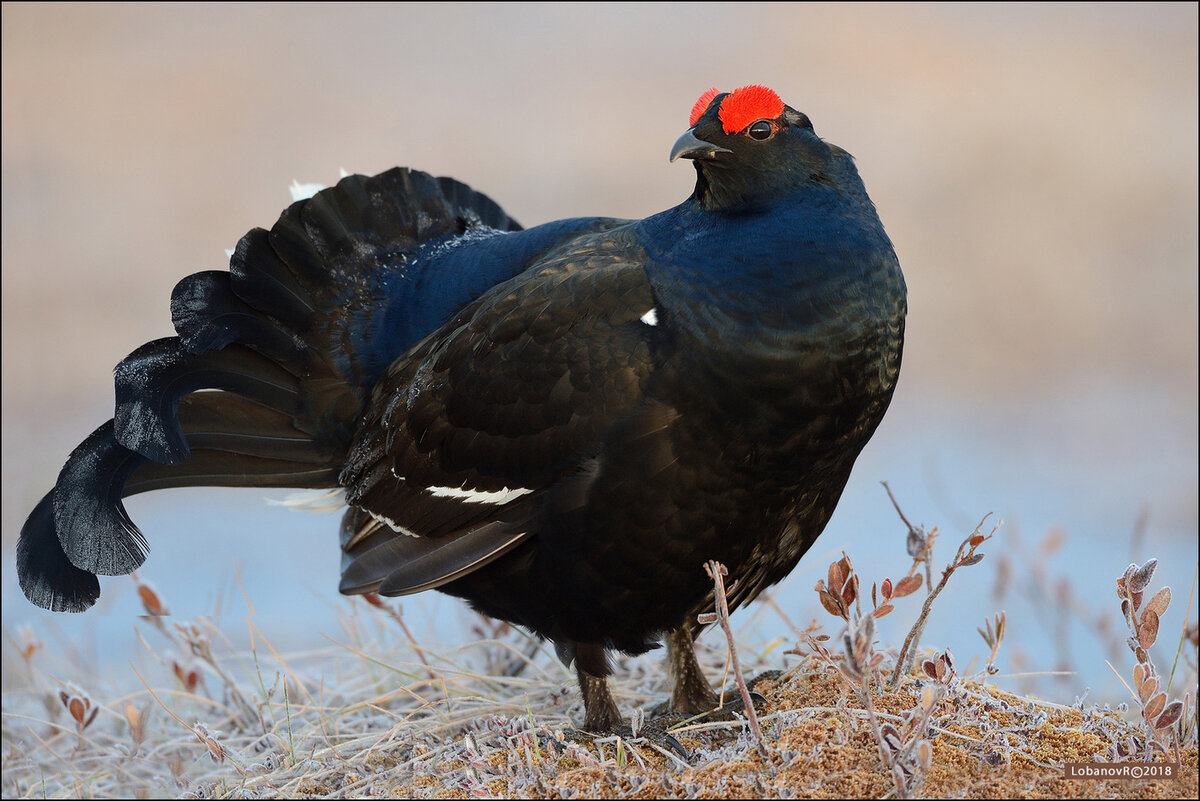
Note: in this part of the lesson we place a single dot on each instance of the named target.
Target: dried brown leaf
(1141, 577)
(151, 601)
(1155, 706)
(1159, 603)
(77, 708)
(850, 591)
(972, 560)
(890, 736)
(886, 589)
(1139, 674)
(908, 585)
(832, 604)
(137, 723)
(1171, 714)
(883, 610)
(1147, 688)
(924, 754)
(930, 668)
(837, 576)
(188, 677)
(976, 541)
(1148, 630)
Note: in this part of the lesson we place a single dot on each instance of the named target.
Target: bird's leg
(602, 716)
(601, 713)
(690, 694)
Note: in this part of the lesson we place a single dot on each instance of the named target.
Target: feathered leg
(601, 713)
(690, 693)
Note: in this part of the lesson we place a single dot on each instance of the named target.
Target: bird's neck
(767, 282)
(787, 305)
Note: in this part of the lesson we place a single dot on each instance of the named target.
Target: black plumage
(560, 424)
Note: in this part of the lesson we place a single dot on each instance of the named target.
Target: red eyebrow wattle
(744, 106)
(702, 105)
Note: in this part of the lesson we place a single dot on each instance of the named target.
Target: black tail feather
(224, 469)
(297, 243)
(290, 338)
(46, 575)
(152, 380)
(81, 528)
(208, 315)
(220, 421)
(93, 527)
(262, 279)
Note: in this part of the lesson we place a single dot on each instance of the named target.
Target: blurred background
(1036, 167)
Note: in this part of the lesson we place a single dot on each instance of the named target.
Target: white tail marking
(313, 500)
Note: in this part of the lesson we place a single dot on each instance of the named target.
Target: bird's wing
(465, 433)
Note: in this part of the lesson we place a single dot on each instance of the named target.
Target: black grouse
(560, 424)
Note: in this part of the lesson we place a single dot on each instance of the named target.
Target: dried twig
(903, 750)
(716, 572)
(993, 636)
(919, 542)
(962, 558)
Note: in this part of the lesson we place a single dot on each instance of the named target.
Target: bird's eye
(761, 130)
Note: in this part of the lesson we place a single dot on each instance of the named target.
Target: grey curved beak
(689, 147)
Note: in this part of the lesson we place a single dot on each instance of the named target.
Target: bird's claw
(650, 731)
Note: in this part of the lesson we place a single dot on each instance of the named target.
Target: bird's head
(751, 149)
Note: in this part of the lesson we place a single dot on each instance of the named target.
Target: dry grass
(375, 715)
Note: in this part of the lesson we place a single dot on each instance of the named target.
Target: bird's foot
(709, 708)
(667, 717)
(651, 730)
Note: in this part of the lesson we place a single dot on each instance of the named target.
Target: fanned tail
(264, 382)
